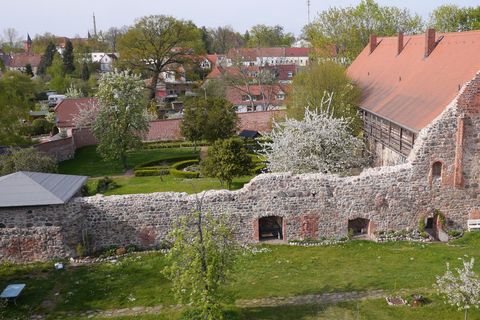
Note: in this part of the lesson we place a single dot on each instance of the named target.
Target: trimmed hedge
(176, 170)
(151, 172)
(152, 164)
(173, 144)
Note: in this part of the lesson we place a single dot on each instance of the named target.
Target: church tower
(27, 45)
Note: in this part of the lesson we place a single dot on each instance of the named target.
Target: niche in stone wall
(437, 170)
(270, 228)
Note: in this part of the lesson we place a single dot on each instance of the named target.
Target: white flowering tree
(461, 288)
(73, 92)
(120, 123)
(318, 143)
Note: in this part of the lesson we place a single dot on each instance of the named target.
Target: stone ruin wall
(311, 205)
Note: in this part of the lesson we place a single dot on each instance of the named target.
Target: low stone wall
(162, 130)
(63, 149)
(308, 206)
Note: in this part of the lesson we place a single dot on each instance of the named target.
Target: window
(245, 98)
(437, 170)
(280, 96)
(290, 74)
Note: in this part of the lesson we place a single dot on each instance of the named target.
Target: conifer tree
(47, 58)
(85, 75)
(28, 70)
(68, 58)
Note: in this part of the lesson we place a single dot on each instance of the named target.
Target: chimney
(373, 42)
(400, 42)
(429, 41)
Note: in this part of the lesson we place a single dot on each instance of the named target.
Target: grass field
(283, 271)
(88, 162)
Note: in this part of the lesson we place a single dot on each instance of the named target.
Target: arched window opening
(437, 170)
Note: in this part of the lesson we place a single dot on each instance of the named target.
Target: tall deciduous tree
(309, 89)
(156, 42)
(318, 143)
(344, 32)
(200, 262)
(269, 36)
(210, 119)
(68, 58)
(224, 39)
(27, 159)
(17, 92)
(227, 159)
(452, 18)
(121, 122)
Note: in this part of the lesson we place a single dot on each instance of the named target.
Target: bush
(80, 250)
(421, 224)
(131, 248)
(440, 217)
(455, 233)
(106, 184)
(261, 168)
(41, 126)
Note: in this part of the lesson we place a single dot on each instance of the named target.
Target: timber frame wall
(387, 133)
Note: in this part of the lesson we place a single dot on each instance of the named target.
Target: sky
(74, 17)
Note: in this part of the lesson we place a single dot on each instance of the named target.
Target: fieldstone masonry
(311, 205)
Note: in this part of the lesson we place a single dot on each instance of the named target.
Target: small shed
(23, 188)
(249, 134)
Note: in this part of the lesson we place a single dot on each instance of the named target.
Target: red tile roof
(68, 109)
(409, 89)
(297, 52)
(234, 94)
(22, 59)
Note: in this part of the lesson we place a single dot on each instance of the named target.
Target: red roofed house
(407, 82)
(257, 97)
(68, 109)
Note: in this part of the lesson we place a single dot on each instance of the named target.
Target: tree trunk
(153, 85)
(466, 314)
(123, 158)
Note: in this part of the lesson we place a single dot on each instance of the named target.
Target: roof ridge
(54, 195)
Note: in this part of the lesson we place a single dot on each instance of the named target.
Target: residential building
(258, 97)
(268, 56)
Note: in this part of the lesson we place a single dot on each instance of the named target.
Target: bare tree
(11, 36)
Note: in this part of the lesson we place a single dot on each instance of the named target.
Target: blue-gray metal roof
(38, 189)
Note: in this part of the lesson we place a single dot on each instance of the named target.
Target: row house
(268, 56)
(407, 82)
(258, 97)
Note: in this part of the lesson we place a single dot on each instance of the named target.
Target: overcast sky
(72, 17)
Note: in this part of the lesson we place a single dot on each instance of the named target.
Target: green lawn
(130, 185)
(284, 271)
(88, 162)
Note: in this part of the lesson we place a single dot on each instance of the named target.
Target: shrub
(131, 248)
(261, 168)
(41, 126)
(106, 184)
(421, 224)
(80, 250)
(440, 217)
(454, 233)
